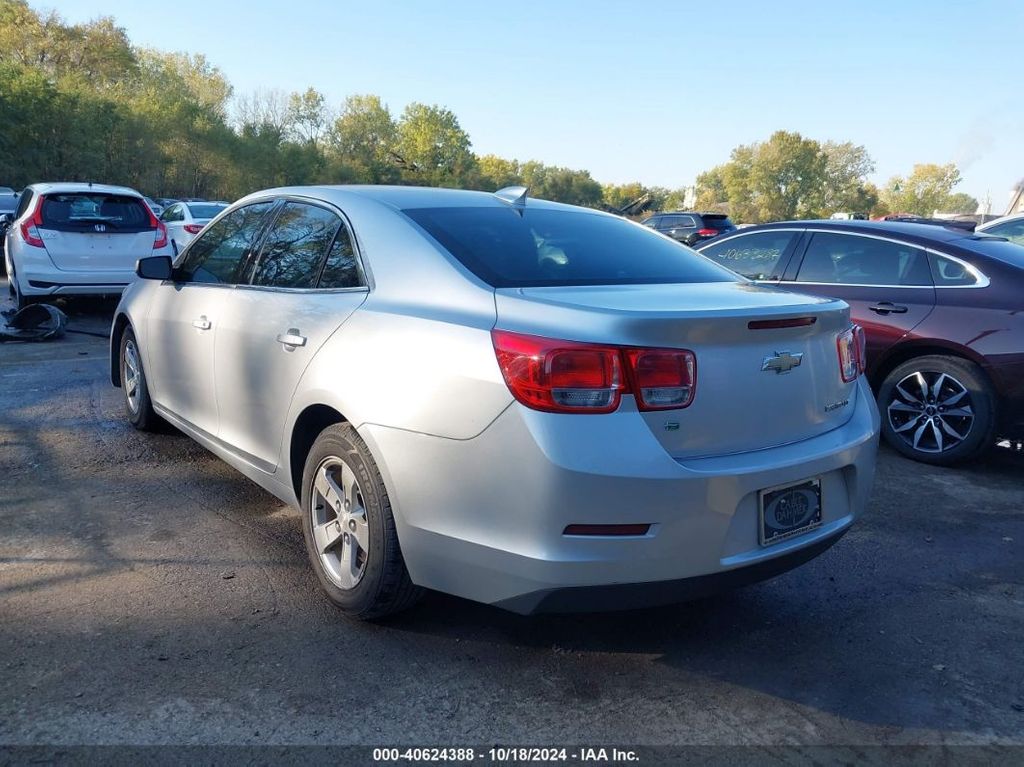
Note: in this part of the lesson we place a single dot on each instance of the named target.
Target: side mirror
(154, 268)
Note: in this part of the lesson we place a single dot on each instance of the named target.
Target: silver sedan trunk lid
(757, 385)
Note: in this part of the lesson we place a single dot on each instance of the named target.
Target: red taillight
(571, 377)
(707, 232)
(30, 226)
(193, 228)
(663, 379)
(852, 354)
(160, 238)
(862, 348)
(560, 376)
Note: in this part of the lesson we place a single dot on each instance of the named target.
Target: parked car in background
(1010, 227)
(154, 206)
(941, 307)
(8, 204)
(184, 220)
(78, 239)
(690, 228)
(528, 404)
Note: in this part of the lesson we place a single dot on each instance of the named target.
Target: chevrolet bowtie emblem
(782, 362)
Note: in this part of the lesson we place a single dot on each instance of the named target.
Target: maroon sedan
(944, 313)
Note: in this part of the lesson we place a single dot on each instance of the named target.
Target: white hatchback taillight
(30, 226)
(572, 377)
(852, 347)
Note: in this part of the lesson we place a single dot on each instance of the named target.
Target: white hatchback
(79, 239)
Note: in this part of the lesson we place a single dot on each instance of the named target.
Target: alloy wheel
(931, 412)
(132, 375)
(338, 515)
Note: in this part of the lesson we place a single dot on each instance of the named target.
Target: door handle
(202, 323)
(291, 339)
(887, 307)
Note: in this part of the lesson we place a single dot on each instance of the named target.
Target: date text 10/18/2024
(503, 754)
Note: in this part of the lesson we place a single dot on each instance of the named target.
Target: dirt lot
(150, 594)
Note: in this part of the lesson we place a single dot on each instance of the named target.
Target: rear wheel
(349, 529)
(137, 404)
(938, 410)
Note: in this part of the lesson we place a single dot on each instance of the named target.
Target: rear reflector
(607, 530)
(793, 322)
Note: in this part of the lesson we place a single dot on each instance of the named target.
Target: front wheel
(938, 410)
(349, 529)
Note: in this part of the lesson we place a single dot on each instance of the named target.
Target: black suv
(690, 228)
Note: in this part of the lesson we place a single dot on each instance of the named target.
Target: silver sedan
(532, 405)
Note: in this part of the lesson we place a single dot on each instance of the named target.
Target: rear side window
(342, 267)
(681, 222)
(951, 273)
(849, 259)
(173, 213)
(205, 210)
(755, 255)
(506, 248)
(296, 247)
(218, 254)
(86, 211)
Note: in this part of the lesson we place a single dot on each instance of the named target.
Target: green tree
(363, 139)
(433, 149)
(960, 202)
(307, 115)
(926, 190)
(846, 187)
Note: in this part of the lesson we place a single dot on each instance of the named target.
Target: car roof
(74, 186)
(906, 230)
(406, 197)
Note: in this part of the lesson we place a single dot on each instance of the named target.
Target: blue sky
(655, 92)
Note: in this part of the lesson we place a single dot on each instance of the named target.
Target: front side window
(296, 247)
(506, 248)
(849, 259)
(219, 252)
(755, 255)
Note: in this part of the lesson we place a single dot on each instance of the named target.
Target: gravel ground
(149, 594)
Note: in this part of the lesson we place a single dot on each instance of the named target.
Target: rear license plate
(789, 510)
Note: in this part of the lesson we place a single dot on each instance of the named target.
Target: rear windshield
(995, 247)
(80, 211)
(507, 248)
(204, 210)
(715, 221)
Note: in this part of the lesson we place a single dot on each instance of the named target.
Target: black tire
(944, 433)
(383, 587)
(141, 415)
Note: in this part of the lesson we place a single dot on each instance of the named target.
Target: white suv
(79, 239)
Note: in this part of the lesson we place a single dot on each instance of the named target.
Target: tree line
(80, 102)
